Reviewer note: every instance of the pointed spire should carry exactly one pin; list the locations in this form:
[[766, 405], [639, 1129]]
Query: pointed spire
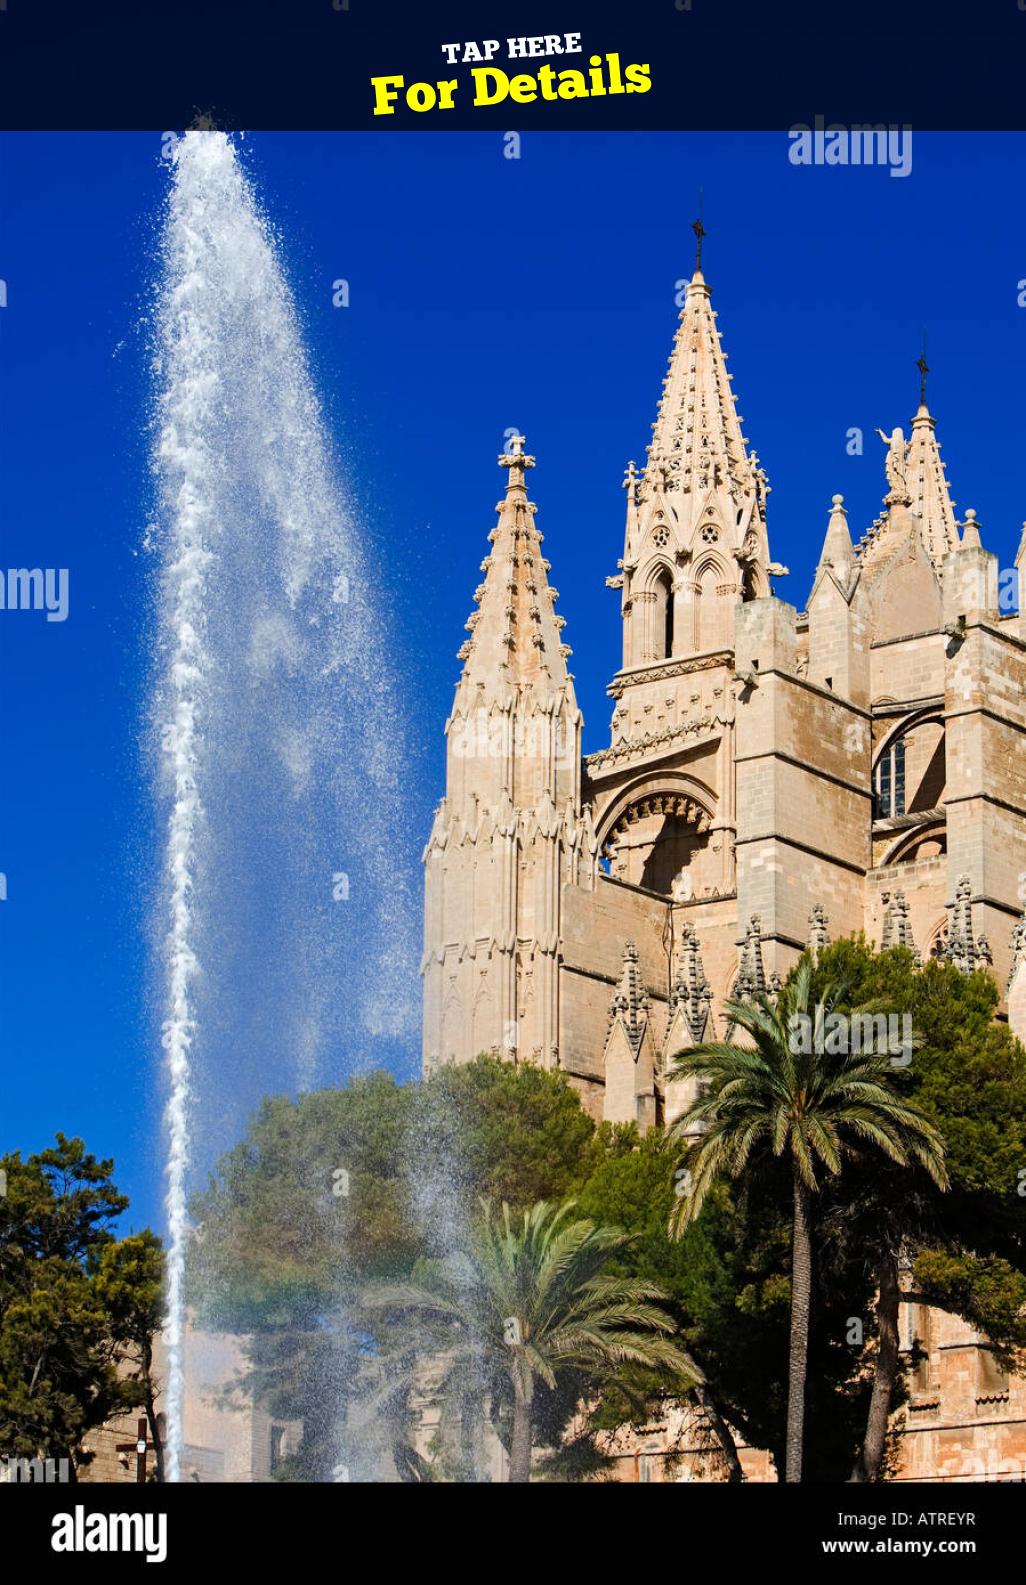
[[966, 951], [631, 481], [971, 532], [630, 1003], [751, 976], [515, 634], [697, 441], [692, 992], [819, 936], [928, 484], [897, 927], [838, 552]]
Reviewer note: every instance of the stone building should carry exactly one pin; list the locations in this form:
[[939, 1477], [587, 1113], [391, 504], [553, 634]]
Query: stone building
[[226, 1437], [774, 777]]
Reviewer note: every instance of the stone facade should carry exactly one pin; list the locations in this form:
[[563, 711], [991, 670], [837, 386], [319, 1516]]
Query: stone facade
[[225, 1437], [774, 776]]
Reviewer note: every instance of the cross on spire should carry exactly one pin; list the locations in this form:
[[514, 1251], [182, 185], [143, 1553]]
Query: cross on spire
[[700, 231], [924, 369], [515, 458]]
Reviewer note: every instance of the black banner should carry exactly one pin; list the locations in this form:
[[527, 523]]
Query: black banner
[[310, 64]]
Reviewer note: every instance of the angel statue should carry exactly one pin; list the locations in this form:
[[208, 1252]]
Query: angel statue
[[895, 465]]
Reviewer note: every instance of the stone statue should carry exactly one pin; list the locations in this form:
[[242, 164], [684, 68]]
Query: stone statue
[[895, 465]]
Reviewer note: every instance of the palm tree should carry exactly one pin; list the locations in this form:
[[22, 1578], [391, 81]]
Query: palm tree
[[788, 1088], [535, 1300]]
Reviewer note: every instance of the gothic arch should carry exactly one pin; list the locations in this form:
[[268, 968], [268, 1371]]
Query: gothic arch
[[906, 849], [754, 583], [715, 587], [934, 938], [923, 763], [655, 830], [653, 611]]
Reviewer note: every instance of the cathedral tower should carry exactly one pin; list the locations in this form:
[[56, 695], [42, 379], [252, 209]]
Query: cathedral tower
[[695, 550], [508, 832]]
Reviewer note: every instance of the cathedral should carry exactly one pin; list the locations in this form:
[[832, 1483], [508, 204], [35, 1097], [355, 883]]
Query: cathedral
[[775, 778]]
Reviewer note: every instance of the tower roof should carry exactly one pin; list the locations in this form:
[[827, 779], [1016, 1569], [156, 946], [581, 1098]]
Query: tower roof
[[697, 440], [838, 551], [515, 634], [928, 487]]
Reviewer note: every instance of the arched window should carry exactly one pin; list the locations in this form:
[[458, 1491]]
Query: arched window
[[910, 774], [663, 617], [890, 781]]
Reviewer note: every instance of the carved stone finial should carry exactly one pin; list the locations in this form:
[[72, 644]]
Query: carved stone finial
[[962, 948], [819, 937], [630, 1002], [897, 927], [751, 978], [692, 992]]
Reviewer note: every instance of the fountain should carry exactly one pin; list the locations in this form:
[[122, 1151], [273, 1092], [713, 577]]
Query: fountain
[[289, 921]]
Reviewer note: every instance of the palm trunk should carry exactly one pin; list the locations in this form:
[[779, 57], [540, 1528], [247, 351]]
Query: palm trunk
[[723, 1434], [801, 1297], [870, 1459], [520, 1447]]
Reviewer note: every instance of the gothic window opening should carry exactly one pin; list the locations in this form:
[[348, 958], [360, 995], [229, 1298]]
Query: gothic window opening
[[890, 781], [664, 617], [659, 843], [911, 773], [749, 590]]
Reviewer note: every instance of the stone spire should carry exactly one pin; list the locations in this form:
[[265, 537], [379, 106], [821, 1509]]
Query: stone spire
[[510, 830], [965, 950], [930, 497], [697, 442], [897, 927], [692, 993], [971, 532], [837, 559], [695, 544], [515, 634], [1018, 948], [751, 976], [838, 552], [629, 1007]]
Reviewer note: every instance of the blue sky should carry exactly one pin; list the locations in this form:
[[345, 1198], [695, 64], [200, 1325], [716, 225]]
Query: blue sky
[[484, 293]]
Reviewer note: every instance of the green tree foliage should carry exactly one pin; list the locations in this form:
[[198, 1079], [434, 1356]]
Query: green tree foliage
[[283, 1258], [777, 1085], [966, 1247], [78, 1306], [537, 1300]]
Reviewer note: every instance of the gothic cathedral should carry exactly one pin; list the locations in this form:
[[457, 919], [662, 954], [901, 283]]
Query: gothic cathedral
[[774, 777]]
